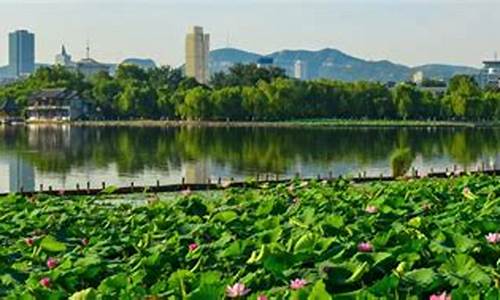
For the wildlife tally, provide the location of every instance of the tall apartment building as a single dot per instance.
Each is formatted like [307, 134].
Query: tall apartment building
[265, 62]
[300, 70]
[21, 53]
[197, 49]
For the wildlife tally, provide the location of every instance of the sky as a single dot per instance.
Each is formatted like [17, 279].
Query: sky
[410, 32]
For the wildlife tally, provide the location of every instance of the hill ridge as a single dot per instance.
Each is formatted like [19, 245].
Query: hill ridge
[335, 64]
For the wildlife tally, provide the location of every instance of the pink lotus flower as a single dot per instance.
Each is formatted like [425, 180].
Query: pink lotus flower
[442, 296]
[45, 282]
[29, 241]
[365, 247]
[61, 192]
[371, 209]
[237, 290]
[186, 192]
[192, 247]
[262, 297]
[52, 263]
[84, 242]
[493, 238]
[297, 283]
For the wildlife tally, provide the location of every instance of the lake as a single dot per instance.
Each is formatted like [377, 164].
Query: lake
[62, 156]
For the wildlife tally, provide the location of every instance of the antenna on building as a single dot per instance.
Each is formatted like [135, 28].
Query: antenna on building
[88, 49]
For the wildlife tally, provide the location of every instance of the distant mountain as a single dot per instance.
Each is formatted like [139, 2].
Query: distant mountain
[222, 59]
[445, 71]
[334, 64]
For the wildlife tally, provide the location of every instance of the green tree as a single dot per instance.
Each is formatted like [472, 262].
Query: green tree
[196, 105]
[127, 72]
[463, 97]
[254, 103]
[104, 93]
[491, 109]
[228, 103]
[165, 77]
[137, 100]
[245, 75]
[407, 99]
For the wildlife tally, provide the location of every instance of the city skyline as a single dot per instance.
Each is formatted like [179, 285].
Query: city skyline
[403, 31]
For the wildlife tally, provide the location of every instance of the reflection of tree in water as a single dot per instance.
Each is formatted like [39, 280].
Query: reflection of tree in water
[135, 149]
[466, 147]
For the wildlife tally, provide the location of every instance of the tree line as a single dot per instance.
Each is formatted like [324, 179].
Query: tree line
[247, 92]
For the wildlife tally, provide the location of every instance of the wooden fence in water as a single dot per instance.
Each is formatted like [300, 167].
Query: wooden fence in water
[253, 183]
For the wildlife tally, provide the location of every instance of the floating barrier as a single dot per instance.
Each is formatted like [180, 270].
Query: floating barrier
[254, 183]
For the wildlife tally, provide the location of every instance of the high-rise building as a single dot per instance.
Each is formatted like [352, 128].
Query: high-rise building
[21, 53]
[265, 62]
[300, 70]
[490, 74]
[197, 48]
[418, 77]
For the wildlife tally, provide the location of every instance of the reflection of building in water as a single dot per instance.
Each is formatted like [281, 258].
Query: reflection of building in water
[16, 173]
[21, 175]
[196, 171]
[50, 137]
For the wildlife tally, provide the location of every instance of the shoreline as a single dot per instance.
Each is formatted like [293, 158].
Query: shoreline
[320, 123]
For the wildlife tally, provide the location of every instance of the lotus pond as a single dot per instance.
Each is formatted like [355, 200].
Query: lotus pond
[423, 239]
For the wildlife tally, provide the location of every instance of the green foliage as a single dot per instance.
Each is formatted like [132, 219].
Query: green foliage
[401, 160]
[247, 92]
[319, 292]
[49, 243]
[261, 238]
[407, 100]
[464, 98]
[196, 105]
[246, 75]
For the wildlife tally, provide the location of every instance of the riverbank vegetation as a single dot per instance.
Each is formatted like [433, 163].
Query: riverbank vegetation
[249, 93]
[314, 240]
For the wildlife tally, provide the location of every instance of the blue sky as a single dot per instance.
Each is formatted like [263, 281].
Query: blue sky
[409, 32]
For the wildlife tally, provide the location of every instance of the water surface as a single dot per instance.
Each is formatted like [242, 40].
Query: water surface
[63, 156]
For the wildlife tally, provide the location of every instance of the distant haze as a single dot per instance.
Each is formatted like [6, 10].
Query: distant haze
[416, 32]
